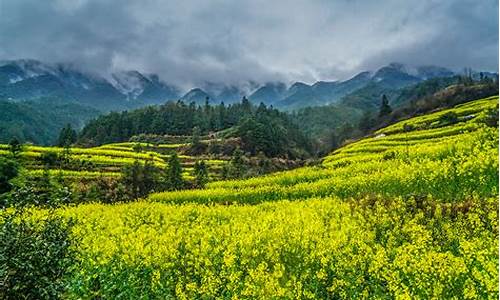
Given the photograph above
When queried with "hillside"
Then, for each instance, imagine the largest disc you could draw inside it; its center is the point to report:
(40, 121)
(409, 212)
(260, 128)
(105, 161)
(424, 160)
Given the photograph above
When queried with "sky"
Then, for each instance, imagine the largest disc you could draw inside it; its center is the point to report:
(189, 42)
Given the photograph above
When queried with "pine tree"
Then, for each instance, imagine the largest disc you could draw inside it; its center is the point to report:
(200, 173)
(385, 108)
(174, 173)
(132, 177)
(238, 167)
(196, 145)
(67, 136)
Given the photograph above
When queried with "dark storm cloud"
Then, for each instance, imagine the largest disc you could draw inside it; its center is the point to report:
(188, 42)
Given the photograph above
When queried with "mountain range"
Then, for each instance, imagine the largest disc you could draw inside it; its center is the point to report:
(28, 79)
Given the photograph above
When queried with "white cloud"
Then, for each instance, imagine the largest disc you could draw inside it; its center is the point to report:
(188, 42)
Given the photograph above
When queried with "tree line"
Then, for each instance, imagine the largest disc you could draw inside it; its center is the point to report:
(261, 128)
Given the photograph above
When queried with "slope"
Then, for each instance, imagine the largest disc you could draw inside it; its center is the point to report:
(442, 157)
(410, 212)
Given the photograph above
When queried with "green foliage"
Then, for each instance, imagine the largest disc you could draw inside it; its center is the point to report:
(35, 258)
(385, 109)
(197, 147)
(237, 165)
(40, 121)
(257, 126)
(102, 189)
(448, 118)
(174, 173)
(137, 147)
(15, 147)
(67, 136)
(200, 173)
(49, 158)
(140, 179)
(367, 122)
(43, 191)
(8, 171)
(491, 117)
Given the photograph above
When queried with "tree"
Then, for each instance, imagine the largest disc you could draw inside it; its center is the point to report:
(366, 123)
(200, 173)
(49, 158)
(385, 108)
(67, 136)
(8, 170)
(238, 167)
(253, 135)
(448, 118)
(197, 146)
(246, 105)
(140, 179)
(15, 147)
(332, 141)
(132, 177)
(174, 173)
(264, 164)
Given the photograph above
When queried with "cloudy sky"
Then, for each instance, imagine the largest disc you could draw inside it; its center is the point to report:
(187, 42)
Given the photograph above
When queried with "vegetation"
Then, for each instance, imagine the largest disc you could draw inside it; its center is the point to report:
(35, 257)
(40, 121)
(256, 126)
(410, 211)
(438, 159)
(67, 136)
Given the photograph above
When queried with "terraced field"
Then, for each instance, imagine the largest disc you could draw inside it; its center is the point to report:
(409, 213)
(424, 156)
(108, 160)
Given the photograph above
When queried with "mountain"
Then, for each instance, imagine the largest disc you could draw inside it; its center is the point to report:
(429, 72)
(228, 93)
(144, 88)
(389, 78)
(322, 92)
(197, 96)
(269, 93)
(394, 75)
(31, 79)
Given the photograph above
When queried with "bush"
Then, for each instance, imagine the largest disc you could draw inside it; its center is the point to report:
(34, 259)
(8, 170)
(448, 118)
(42, 191)
(49, 158)
(102, 189)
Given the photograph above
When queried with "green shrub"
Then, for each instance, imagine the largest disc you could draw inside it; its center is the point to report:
(34, 258)
(8, 170)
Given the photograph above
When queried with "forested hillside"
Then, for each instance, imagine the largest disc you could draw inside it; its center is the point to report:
(40, 121)
(260, 128)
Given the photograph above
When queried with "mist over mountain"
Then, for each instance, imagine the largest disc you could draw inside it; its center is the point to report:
(28, 79)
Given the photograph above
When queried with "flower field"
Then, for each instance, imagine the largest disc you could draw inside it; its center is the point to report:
(448, 162)
(107, 160)
(408, 213)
